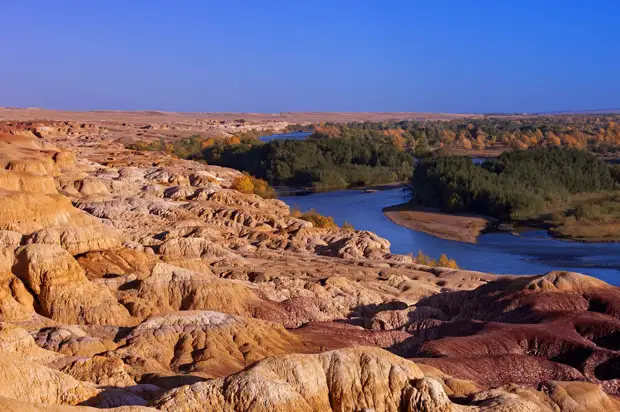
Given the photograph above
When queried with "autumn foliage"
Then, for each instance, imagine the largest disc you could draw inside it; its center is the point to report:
(250, 184)
(317, 219)
(443, 261)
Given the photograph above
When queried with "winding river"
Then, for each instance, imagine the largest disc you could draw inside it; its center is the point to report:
(531, 252)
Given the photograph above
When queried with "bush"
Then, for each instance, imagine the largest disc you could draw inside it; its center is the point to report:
(314, 217)
(243, 184)
(250, 184)
(347, 226)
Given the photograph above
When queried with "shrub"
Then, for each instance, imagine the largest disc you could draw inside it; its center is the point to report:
(250, 184)
(243, 184)
(262, 188)
(348, 226)
(314, 217)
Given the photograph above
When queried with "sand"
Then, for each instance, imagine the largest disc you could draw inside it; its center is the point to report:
(462, 228)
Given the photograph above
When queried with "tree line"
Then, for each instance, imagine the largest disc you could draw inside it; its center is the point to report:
(317, 162)
(595, 133)
(518, 185)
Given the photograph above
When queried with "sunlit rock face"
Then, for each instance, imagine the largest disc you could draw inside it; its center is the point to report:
(141, 282)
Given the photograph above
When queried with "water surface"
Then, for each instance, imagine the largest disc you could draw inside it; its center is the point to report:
(530, 253)
(286, 136)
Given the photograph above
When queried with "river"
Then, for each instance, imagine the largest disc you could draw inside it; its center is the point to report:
(286, 136)
(531, 252)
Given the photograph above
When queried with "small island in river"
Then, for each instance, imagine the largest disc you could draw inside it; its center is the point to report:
(458, 227)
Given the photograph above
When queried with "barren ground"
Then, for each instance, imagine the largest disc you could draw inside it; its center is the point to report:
(462, 228)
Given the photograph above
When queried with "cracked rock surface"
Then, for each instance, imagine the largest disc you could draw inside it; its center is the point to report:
(134, 281)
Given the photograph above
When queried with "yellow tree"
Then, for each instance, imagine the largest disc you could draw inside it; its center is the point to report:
(207, 143)
(421, 259)
(448, 136)
(232, 140)
(445, 262)
(481, 140)
(553, 139)
(243, 184)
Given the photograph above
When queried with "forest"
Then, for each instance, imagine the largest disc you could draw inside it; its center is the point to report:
(562, 187)
(316, 162)
(338, 155)
(596, 133)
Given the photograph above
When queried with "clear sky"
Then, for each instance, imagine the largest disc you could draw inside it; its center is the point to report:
(311, 55)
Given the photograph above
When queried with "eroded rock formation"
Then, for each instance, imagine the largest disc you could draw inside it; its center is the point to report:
(139, 281)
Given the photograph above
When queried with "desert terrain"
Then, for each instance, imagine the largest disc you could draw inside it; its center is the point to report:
(137, 281)
(129, 126)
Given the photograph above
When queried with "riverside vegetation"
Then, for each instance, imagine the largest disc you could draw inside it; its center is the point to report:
(320, 162)
(572, 192)
(338, 155)
(597, 133)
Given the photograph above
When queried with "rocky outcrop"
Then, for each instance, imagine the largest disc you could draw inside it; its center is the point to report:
(559, 326)
(345, 380)
(206, 343)
(360, 379)
(52, 387)
(61, 290)
(133, 278)
(77, 240)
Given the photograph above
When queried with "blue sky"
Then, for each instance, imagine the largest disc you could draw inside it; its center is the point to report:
(311, 55)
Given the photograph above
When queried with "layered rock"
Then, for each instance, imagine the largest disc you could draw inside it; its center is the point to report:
(134, 278)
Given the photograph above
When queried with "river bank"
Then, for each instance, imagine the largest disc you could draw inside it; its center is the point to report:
(468, 227)
(499, 252)
(304, 191)
(461, 228)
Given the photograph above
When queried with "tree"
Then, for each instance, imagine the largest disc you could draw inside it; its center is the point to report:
(208, 143)
(481, 139)
(421, 258)
(232, 141)
(553, 140)
(445, 262)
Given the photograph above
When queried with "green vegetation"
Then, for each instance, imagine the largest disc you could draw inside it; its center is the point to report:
(596, 133)
(321, 163)
(317, 162)
(192, 147)
(184, 148)
(565, 188)
(366, 153)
